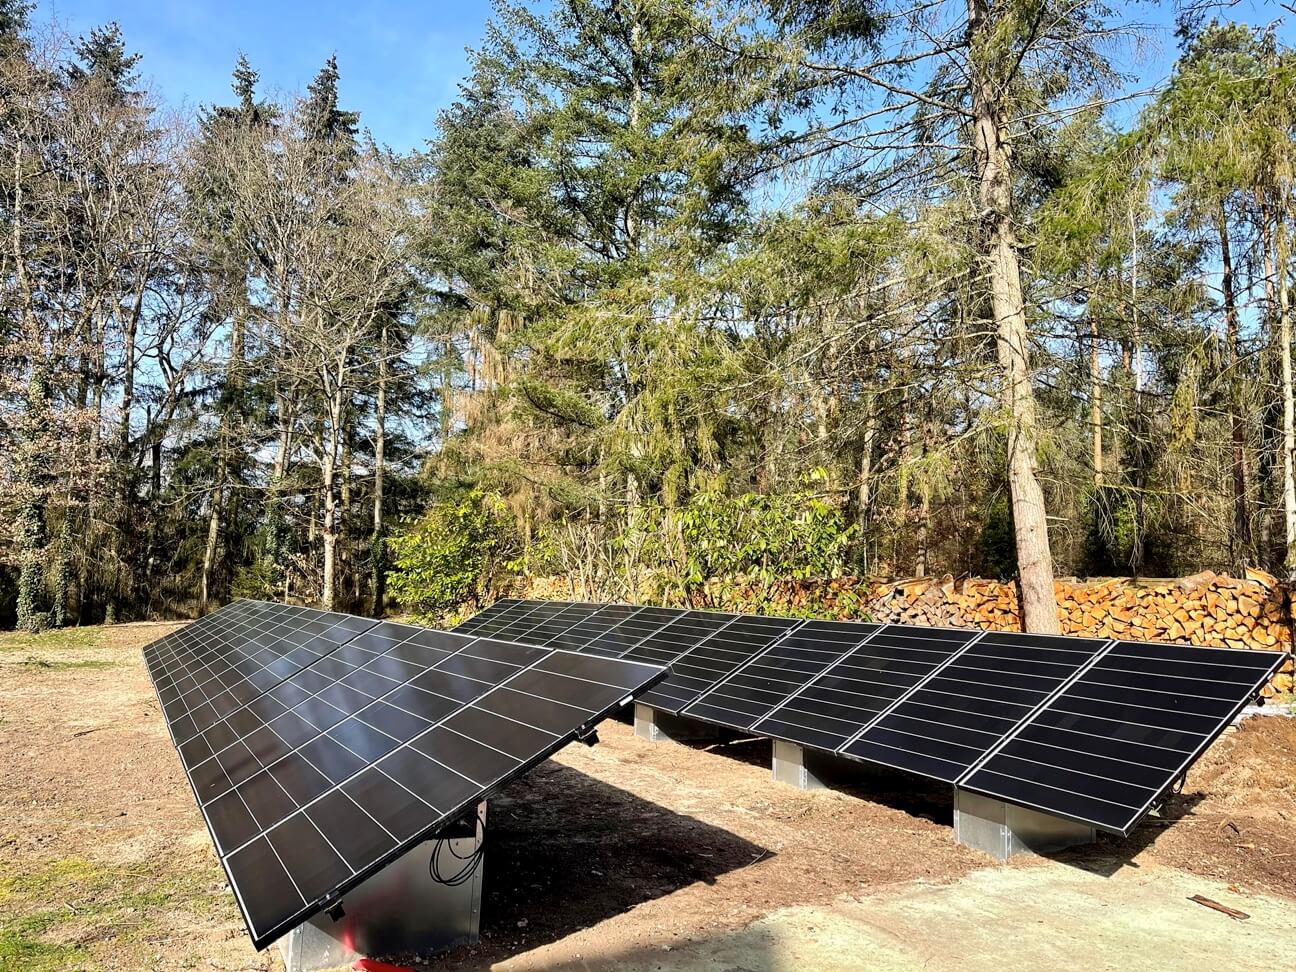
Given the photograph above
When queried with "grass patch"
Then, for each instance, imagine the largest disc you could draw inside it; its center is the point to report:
(59, 639)
(52, 917)
(19, 953)
(45, 665)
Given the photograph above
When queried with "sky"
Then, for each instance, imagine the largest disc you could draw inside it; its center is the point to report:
(400, 62)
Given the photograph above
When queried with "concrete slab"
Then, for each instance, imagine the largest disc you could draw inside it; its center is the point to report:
(1045, 915)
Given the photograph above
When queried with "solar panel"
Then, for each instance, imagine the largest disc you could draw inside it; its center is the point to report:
(543, 629)
(499, 615)
(347, 763)
(879, 668)
(1078, 727)
(733, 644)
(959, 712)
(637, 625)
(800, 655)
(581, 634)
(1106, 748)
(681, 632)
(209, 674)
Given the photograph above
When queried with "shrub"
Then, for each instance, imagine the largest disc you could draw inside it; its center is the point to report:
(458, 552)
(754, 538)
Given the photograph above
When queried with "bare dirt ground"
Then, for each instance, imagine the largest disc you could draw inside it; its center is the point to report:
(630, 855)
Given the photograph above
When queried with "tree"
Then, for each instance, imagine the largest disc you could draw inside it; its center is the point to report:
(950, 101)
(579, 191)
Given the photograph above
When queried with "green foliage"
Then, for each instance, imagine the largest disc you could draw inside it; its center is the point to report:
(259, 580)
(458, 552)
(998, 549)
(754, 539)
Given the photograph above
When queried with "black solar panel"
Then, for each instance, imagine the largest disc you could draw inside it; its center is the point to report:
(208, 672)
(755, 690)
(498, 616)
(637, 625)
(1107, 747)
(876, 671)
(1075, 726)
(580, 635)
(683, 631)
(958, 714)
(340, 768)
(543, 629)
(734, 644)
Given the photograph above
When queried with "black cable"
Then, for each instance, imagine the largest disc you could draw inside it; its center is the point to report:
(465, 873)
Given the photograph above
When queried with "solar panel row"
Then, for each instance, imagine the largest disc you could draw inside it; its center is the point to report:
(1083, 728)
(354, 754)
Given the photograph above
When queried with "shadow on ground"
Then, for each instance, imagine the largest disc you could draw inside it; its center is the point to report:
(566, 851)
(915, 795)
(1111, 852)
(919, 796)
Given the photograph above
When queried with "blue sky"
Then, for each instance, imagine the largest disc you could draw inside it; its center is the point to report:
(400, 62)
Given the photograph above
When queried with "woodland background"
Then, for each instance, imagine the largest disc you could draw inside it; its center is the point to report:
(678, 290)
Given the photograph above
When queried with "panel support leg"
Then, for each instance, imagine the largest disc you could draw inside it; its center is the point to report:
(402, 908)
(793, 764)
(1003, 829)
(657, 726)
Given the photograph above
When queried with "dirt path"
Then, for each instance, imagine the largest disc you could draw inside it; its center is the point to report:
(650, 856)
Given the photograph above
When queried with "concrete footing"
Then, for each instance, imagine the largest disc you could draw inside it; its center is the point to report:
(814, 769)
(657, 726)
(1003, 830)
(796, 766)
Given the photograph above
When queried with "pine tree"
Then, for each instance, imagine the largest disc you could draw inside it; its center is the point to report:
(323, 121)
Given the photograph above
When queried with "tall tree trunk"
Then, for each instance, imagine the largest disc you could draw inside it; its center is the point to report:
(31, 468)
(29, 532)
(1140, 451)
(224, 446)
(328, 533)
(211, 548)
(346, 556)
(1095, 402)
(1240, 536)
(1288, 405)
(1030, 523)
(378, 540)
(864, 492)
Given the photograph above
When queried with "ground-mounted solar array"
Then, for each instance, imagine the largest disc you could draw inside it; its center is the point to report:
(1087, 729)
(353, 749)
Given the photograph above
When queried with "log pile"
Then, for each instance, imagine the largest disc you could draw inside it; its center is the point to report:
(1206, 609)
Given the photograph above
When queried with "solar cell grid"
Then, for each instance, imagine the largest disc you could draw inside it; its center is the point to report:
(798, 656)
(582, 633)
(1106, 747)
(498, 617)
(205, 678)
(364, 710)
(1045, 721)
(503, 604)
(709, 661)
(423, 782)
(546, 629)
(525, 622)
(961, 711)
(863, 682)
(683, 631)
(633, 629)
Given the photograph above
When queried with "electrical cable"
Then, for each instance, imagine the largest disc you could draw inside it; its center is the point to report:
(469, 868)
